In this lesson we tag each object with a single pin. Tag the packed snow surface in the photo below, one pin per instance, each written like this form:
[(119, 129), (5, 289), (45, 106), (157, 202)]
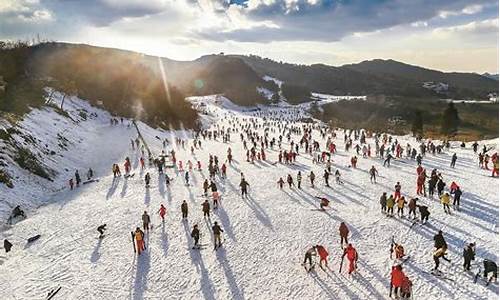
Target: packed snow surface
[(265, 235)]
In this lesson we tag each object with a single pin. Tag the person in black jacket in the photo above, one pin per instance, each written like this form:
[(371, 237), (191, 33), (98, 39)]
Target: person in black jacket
[(469, 255), (440, 187), (424, 213), (195, 234), (490, 267), (456, 198), (441, 247)]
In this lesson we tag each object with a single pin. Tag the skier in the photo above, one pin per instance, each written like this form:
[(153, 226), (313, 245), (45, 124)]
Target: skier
[(453, 160), (308, 257), (139, 240), (101, 229), (186, 177), (299, 180), (456, 198), (401, 204), (388, 160), (289, 180), (441, 247), (440, 187), (490, 267), (445, 200), (244, 187), (337, 177), (184, 209), (217, 233), (326, 176), (162, 211), (390, 205), (469, 255), (424, 213), (383, 202), (344, 232), (398, 249), (206, 209), (280, 183), (397, 278), (397, 191), (323, 203), (195, 234), (323, 255), (412, 206), (373, 175), (71, 184), (406, 288), (215, 198), (90, 174), (147, 179), (77, 178), (205, 187), (311, 178), (352, 256), (145, 221)]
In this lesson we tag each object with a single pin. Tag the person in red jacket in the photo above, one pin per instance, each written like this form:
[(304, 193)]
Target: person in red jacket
[(344, 232), (126, 165), (397, 278), (419, 170), (162, 211), (352, 256), (323, 254)]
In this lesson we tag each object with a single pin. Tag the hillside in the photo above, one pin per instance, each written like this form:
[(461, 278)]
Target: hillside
[(377, 77), (461, 85), (113, 79), (265, 234)]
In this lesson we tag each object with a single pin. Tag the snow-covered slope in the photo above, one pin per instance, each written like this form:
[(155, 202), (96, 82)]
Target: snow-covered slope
[(265, 235)]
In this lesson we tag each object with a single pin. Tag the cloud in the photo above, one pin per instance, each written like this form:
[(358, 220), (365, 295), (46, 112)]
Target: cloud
[(330, 20)]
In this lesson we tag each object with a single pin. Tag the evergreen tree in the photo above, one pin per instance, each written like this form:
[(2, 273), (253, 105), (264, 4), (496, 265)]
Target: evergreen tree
[(450, 120), (417, 127)]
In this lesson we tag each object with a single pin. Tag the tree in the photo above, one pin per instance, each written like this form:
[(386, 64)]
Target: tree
[(417, 127), (450, 120), (69, 88)]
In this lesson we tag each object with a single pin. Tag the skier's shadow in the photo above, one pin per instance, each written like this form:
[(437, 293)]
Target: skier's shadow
[(112, 188), (141, 274), (161, 184), (164, 239), (147, 197), (236, 293), (124, 189), (95, 256)]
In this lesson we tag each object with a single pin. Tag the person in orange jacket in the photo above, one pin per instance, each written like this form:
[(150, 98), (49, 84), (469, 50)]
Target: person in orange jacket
[(352, 256), (323, 255), (162, 211), (139, 240)]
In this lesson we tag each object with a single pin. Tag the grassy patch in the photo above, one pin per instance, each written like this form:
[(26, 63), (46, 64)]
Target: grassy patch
[(6, 179), (26, 160)]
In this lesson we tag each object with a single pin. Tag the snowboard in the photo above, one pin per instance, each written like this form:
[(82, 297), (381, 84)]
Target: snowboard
[(34, 238), (90, 181), (129, 175)]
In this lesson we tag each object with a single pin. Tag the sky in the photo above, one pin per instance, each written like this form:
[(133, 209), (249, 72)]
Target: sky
[(447, 35)]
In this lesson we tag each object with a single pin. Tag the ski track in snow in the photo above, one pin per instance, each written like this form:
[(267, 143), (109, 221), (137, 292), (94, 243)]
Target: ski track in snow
[(265, 236)]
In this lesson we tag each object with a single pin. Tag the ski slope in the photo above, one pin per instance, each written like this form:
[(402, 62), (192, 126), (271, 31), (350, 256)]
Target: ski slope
[(265, 236)]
